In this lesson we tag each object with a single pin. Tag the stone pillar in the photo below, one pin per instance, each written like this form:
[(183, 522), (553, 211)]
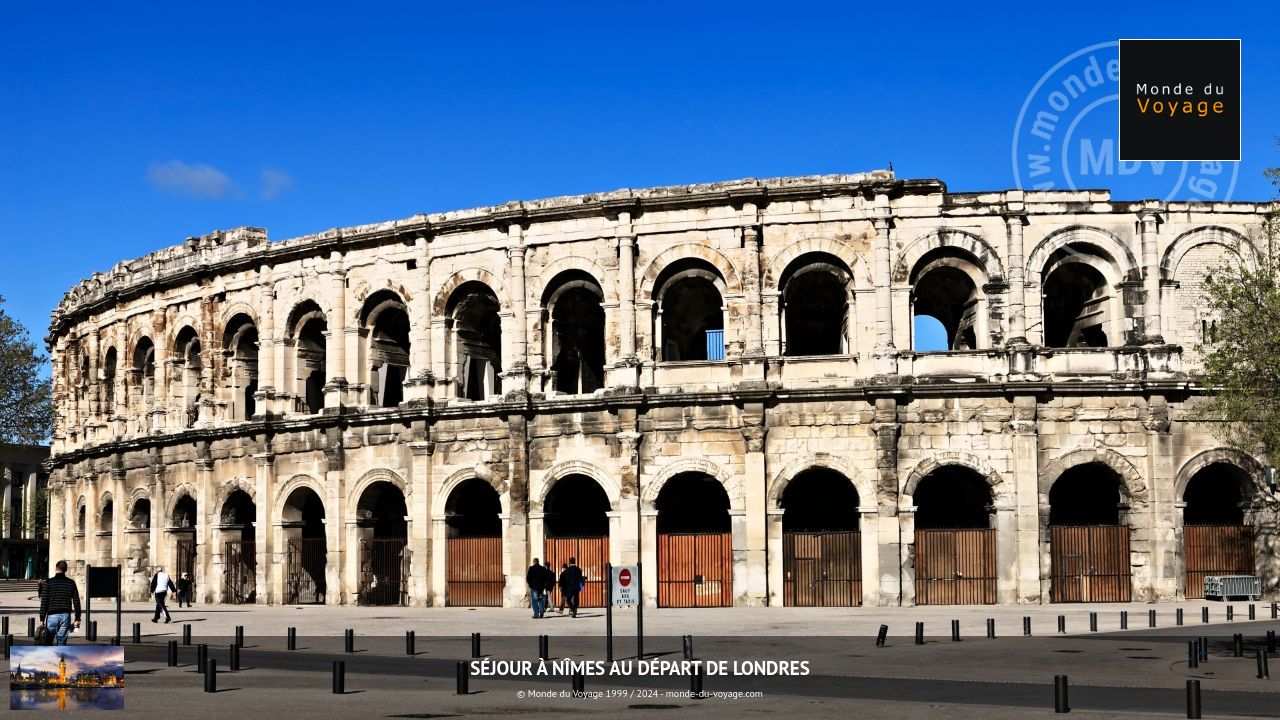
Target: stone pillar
[(649, 553), (1163, 517), (205, 573), (886, 355), (6, 501), (626, 544), (421, 590), (627, 293), (517, 537), (869, 529), (158, 539), (338, 346), (119, 520), (756, 479), (341, 568), (751, 286), (269, 579), (420, 379), (270, 355), (1016, 305), (57, 519), (91, 551), (1006, 525), (906, 554), (773, 554), (517, 364), (1149, 218), (892, 535)]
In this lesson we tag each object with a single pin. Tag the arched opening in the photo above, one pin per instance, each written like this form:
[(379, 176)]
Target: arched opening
[(137, 535), (140, 517), (382, 529), (106, 527), (385, 321), (695, 543), (239, 548), (945, 288), (576, 518), (1078, 300), (955, 543), (1216, 539), (1088, 542), (816, 306), (109, 363), (574, 328), (476, 332), (302, 522), (309, 331), (474, 574), (821, 545), (690, 322), (188, 368), (183, 530), (240, 343)]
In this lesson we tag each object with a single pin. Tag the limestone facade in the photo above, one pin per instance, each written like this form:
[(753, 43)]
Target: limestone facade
[(744, 332)]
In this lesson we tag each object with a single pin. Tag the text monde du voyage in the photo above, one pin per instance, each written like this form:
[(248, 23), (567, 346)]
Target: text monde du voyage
[(1179, 99)]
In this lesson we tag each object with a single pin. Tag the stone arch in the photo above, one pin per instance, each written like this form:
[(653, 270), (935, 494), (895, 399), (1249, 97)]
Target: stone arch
[(465, 275), (572, 262), (816, 244), (1001, 491), (227, 488), (105, 498), (238, 307), (137, 495), (1121, 255), (363, 291), (301, 309), (1205, 235), (982, 251), (171, 503), (731, 483), (1242, 460), (371, 477), (177, 327), (814, 461), (706, 253), (286, 489), (1132, 487), (458, 477), (560, 470)]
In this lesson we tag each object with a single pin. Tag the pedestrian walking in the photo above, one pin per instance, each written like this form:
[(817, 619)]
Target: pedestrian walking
[(61, 598), (572, 580), (563, 597), (536, 579), (185, 588), (161, 585)]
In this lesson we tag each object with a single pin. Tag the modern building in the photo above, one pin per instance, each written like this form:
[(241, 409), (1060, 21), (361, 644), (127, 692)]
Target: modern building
[(727, 382), (24, 512)]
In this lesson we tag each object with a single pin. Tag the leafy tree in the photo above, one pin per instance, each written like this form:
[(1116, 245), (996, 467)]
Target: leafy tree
[(26, 410)]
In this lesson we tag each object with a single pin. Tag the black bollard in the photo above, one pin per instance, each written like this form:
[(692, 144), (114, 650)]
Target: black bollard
[(1275, 609), (293, 638), (1204, 614), (955, 631), (1124, 619), (1204, 649), (695, 681), (1231, 613), (1026, 625), (186, 634), (579, 683), (1271, 642), (173, 653), (1237, 645), (1263, 671), (1179, 618), (687, 644), (202, 655), (1151, 618), (1193, 698), (409, 641), (1062, 624), (339, 677), (1253, 612), (464, 678), (349, 640), (1193, 654), (919, 633), (8, 643), (92, 635), (31, 627), (4, 625), (991, 627), (137, 633), (1093, 622), (233, 662), (1060, 704), (239, 636), (475, 645), (544, 647), (211, 676), (880, 636)]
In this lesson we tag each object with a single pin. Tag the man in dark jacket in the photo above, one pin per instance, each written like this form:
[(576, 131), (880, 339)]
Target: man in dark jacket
[(536, 579), (571, 582), (61, 598)]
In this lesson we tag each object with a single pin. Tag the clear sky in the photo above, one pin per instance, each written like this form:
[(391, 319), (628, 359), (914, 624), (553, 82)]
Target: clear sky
[(125, 128)]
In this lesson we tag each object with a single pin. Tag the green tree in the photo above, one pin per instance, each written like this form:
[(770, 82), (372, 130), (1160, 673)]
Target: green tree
[(26, 410)]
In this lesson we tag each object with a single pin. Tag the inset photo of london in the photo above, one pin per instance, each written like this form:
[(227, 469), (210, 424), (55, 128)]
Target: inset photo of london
[(80, 677)]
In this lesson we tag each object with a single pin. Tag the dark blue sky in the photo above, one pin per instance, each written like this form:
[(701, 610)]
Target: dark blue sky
[(126, 128)]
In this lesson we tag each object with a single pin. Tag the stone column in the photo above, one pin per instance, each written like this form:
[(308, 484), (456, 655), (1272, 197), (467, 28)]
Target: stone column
[(756, 480), (627, 293), (1163, 521), (775, 571), (57, 519), (1149, 217), (517, 366), (6, 501), (205, 575), (418, 384), (269, 578), (91, 551), (1016, 306), (158, 537), (629, 540), (892, 535), (517, 543), (421, 589), (751, 286), (1006, 524), (886, 360), (270, 357), (906, 559), (869, 528), (1025, 478), (341, 568), (338, 346)]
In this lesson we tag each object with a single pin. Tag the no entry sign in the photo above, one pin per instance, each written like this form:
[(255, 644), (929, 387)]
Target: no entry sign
[(625, 581)]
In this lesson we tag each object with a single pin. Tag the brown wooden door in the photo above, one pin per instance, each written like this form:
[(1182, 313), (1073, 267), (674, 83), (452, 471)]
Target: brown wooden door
[(239, 571), (592, 554), (695, 570), (1090, 563), (956, 567), (822, 569), (1216, 550), (384, 571), (474, 576)]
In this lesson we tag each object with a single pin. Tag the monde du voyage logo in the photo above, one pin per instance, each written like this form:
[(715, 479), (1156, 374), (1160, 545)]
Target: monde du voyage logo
[(1180, 100)]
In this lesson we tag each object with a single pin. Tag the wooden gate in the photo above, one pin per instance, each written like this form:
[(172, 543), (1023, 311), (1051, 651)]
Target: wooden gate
[(956, 567), (474, 574), (592, 553), (239, 571), (822, 569), (1090, 563), (695, 570), (305, 581), (384, 571), (1216, 550), (185, 560)]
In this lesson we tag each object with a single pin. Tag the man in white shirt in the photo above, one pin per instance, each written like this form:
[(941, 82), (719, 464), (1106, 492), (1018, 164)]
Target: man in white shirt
[(161, 584)]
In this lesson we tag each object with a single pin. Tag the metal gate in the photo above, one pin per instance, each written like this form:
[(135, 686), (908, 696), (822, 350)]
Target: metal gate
[(384, 571), (1090, 563), (185, 559), (822, 569), (305, 581), (956, 567), (695, 570), (591, 553), (239, 571), (1216, 550), (474, 576)]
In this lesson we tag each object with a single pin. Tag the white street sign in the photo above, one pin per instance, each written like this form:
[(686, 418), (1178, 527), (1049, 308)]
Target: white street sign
[(626, 581)]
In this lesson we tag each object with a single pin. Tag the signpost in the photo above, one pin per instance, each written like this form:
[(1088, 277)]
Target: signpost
[(102, 582), (624, 590)]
